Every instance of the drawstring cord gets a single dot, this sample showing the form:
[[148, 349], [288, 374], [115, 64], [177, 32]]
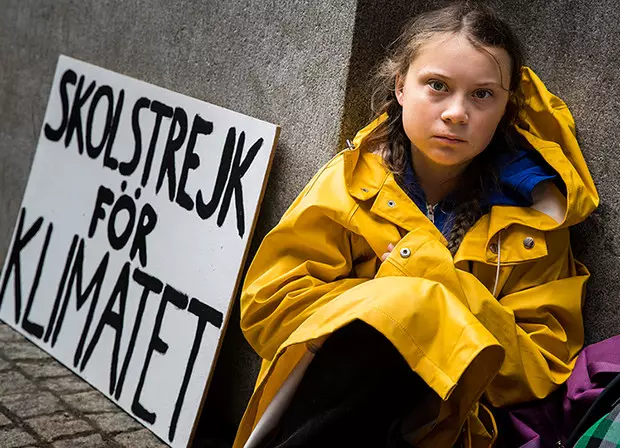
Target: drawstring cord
[[499, 255]]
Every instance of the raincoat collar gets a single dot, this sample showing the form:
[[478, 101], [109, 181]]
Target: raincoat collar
[[364, 173]]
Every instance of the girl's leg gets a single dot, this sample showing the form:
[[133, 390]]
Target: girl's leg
[[353, 393]]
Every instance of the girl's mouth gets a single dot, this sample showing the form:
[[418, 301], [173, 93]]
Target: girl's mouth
[[446, 139]]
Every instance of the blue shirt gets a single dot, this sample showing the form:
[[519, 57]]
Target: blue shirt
[[518, 175]]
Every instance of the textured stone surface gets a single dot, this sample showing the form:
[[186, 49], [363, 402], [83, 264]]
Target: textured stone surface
[[22, 351], [139, 439], [90, 402], [14, 383], [4, 420], [115, 422], [66, 385], [48, 410], [7, 334], [94, 441], [32, 404], [51, 427], [14, 438], [5, 365], [47, 370]]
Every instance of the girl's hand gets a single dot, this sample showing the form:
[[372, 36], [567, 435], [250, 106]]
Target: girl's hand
[[390, 248]]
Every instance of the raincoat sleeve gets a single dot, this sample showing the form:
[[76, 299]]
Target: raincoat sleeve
[[302, 264], [537, 318]]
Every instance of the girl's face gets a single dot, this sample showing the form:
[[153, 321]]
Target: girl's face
[[453, 97]]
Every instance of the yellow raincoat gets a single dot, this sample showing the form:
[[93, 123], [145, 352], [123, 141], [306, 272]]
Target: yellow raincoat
[[501, 318]]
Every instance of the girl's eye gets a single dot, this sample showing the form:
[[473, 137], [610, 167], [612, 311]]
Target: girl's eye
[[483, 94], [438, 86]]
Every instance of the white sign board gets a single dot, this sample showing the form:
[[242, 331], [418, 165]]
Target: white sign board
[[132, 236]]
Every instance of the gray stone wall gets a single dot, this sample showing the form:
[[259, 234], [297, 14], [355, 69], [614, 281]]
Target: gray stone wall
[[303, 65], [283, 62]]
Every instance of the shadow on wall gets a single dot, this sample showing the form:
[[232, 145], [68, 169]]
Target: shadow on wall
[[377, 25]]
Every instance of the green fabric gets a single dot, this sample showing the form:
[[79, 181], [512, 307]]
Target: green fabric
[[604, 434]]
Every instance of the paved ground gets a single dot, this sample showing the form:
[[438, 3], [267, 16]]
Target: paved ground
[[43, 404]]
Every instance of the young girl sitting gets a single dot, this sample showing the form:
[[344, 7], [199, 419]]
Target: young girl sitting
[[426, 272]]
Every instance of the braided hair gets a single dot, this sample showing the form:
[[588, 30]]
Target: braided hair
[[483, 28]]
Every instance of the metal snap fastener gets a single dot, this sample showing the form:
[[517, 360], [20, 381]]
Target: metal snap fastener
[[493, 248], [405, 252], [391, 203], [365, 190], [528, 242]]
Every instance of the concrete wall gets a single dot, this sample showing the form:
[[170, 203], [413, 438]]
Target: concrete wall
[[303, 65], [283, 62]]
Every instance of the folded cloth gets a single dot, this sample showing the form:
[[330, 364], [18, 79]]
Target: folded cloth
[[548, 423]]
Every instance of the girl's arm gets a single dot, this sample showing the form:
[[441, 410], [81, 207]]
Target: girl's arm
[[537, 318], [301, 265]]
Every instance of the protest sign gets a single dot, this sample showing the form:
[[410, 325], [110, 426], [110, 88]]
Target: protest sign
[[132, 236]]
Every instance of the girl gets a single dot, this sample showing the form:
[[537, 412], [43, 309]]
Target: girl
[[426, 271]]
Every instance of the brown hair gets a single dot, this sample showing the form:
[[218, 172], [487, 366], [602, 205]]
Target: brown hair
[[483, 28]]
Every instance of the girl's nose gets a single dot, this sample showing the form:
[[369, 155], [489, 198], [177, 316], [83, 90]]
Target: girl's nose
[[455, 112]]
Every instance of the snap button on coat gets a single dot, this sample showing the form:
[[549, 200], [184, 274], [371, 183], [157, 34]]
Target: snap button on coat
[[493, 248], [528, 242], [391, 203], [405, 252]]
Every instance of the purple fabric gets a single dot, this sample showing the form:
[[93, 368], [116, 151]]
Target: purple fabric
[[541, 424]]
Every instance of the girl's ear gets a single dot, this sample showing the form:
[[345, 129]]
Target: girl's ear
[[398, 88]]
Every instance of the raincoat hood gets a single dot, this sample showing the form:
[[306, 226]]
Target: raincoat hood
[[550, 128]]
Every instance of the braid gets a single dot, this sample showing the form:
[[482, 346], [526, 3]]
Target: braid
[[465, 216], [480, 178]]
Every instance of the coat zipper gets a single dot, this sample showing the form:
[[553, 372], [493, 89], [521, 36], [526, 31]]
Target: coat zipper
[[430, 212]]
